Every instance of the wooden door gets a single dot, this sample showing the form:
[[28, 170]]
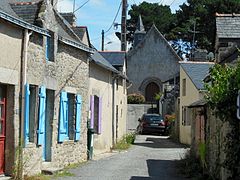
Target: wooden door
[[2, 133], [151, 90]]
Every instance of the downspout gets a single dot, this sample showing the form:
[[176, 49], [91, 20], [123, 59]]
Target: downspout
[[23, 80], [113, 108]]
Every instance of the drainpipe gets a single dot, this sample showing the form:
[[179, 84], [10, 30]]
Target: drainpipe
[[23, 80], [113, 109]]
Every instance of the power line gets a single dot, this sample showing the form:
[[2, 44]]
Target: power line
[[114, 18], [81, 6]]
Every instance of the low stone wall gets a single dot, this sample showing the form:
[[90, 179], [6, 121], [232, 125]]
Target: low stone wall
[[134, 112]]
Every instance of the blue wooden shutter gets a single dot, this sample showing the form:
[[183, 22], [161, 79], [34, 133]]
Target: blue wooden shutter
[[63, 119], [92, 111], [41, 115], [100, 116], [26, 114], [78, 117]]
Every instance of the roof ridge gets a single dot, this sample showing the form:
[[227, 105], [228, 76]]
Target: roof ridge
[[195, 62], [25, 3], [227, 15]]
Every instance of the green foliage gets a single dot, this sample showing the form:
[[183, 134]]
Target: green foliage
[[136, 99], [203, 13], [181, 25], [158, 96], [125, 142], [202, 154], [151, 13], [222, 92]]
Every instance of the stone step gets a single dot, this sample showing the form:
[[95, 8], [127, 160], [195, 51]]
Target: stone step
[[49, 168]]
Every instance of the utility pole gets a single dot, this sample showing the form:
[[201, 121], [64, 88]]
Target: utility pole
[[124, 26], [102, 40]]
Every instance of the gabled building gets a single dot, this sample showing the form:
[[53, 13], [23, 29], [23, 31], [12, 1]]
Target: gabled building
[[192, 75], [150, 62], [119, 114], [53, 84]]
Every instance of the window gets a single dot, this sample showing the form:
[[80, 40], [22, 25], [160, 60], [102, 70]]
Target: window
[[96, 114], [184, 87], [69, 117], [186, 121], [33, 112], [49, 48]]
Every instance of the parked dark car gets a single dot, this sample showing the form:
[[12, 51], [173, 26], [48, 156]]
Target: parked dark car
[[151, 123]]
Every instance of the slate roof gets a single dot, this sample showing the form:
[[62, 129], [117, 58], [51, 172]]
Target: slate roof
[[99, 60], [228, 25], [197, 71], [79, 31], [27, 11], [4, 6], [116, 58]]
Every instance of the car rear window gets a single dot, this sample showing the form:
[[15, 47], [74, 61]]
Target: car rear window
[[153, 118]]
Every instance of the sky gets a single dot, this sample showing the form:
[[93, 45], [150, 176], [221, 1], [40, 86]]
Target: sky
[[98, 15]]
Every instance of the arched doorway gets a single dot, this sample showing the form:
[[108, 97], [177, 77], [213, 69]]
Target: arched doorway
[[151, 90]]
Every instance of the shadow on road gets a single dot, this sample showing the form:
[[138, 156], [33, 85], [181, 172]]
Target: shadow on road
[[160, 142], [160, 170]]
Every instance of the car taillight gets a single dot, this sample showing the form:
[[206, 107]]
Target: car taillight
[[144, 124], [161, 124]]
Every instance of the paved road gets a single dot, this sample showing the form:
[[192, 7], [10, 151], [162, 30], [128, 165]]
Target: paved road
[[150, 158]]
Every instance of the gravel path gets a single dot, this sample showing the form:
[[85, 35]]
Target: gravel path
[[150, 158]]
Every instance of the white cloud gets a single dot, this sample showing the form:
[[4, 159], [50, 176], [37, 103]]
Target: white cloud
[[65, 6], [114, 45]]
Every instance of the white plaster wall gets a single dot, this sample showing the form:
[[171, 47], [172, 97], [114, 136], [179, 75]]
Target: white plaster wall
[[101, 85], [192, 95]]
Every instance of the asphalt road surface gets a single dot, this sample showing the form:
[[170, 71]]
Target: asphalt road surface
[[150, 158]]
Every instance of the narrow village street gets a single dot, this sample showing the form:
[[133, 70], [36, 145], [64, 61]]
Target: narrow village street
[[151, 157]]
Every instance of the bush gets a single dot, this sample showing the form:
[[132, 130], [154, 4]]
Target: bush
[[125, 142], [136, 99]]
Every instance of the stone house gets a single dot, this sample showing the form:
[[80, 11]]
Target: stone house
[[208, 129], [191, 90], [151, 62], [55, 82], [119, 113], [227, 37]]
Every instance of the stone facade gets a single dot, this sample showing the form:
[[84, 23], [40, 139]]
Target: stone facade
[[68, 72], [151, 62]]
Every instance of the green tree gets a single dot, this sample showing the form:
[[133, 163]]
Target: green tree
[[194, 13], [151, 13], [202, 14]]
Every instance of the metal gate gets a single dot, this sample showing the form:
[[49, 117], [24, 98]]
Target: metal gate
[[2, 133]]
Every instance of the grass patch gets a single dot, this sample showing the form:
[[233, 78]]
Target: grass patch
[[63, 173], [125, 142], [38, 177]]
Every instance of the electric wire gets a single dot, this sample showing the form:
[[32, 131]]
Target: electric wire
[[81, 6], [114, 18]]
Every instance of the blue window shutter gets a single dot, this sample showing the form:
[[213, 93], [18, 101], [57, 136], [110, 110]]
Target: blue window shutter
[[100, 116], [63, 118], [92, 111], [41, 115], [26, 114], [78, 117]]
